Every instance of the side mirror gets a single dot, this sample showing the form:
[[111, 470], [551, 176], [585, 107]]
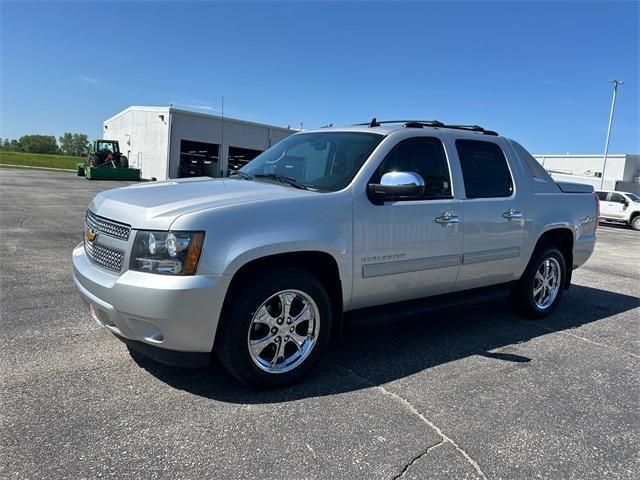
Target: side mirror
[[396, 184]]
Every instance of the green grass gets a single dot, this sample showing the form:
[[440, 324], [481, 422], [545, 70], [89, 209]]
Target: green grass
[[38, 160]]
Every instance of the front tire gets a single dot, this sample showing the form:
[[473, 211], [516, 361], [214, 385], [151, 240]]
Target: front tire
[[540, 288], [635, 223], [275, 325]]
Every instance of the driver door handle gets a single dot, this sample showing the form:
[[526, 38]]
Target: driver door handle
[[447, 218], [511, 213]]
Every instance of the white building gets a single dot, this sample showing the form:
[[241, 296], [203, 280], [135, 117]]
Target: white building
[[166, 142], [622, 171]]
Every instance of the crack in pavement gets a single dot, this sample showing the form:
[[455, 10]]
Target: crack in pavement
[[416, 458], [445, 438]]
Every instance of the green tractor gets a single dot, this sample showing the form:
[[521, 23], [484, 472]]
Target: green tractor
[[105, 162]]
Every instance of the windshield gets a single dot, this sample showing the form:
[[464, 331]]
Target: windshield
[[107, 146], [633, 197], [324, 161]]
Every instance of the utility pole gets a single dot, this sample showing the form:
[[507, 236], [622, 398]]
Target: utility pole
[[606, 145]]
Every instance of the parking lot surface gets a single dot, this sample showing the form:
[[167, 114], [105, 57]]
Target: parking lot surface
[[463, 393]]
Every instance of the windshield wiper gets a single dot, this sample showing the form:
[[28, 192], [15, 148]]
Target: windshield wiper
[[242, 174], [282, 179]]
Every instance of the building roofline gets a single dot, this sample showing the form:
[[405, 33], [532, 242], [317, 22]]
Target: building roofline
[[196, 114], [609, 155], [136, 107]]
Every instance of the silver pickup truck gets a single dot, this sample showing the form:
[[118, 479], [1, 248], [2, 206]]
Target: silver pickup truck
[[259, 268]]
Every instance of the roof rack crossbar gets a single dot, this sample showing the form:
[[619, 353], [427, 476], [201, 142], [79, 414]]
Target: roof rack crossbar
[[375, 123], [429, 123]]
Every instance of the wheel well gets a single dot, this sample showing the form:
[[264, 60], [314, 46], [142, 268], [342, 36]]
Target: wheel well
[[320, 264], [634, 215], [562, 239]]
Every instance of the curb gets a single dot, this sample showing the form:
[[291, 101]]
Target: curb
[[37, 168]]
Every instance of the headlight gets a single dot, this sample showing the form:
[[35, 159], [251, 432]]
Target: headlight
[[169, 253]]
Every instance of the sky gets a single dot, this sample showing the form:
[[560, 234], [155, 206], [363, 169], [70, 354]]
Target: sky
[[537, 72]]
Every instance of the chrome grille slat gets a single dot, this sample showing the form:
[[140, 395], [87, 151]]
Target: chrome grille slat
[[107, 257], [104, 226], [100, 254]]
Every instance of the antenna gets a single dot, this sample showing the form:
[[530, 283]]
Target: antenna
[[220, 153], [373, 123]]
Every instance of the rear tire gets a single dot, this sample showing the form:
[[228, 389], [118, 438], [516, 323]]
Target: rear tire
[[265, 338], [123, 161], [540, 288]]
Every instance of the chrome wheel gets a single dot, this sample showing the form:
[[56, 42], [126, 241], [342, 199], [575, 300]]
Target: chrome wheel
[[283, 331], [546, 283]]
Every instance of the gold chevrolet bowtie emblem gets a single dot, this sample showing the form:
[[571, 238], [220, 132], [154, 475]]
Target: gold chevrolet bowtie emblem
[[90, 234]]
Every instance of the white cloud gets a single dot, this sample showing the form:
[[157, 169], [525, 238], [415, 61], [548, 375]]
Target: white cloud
[[196, 106], [84, 78]]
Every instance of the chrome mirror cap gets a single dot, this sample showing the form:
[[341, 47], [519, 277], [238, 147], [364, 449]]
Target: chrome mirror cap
[[402, 179]]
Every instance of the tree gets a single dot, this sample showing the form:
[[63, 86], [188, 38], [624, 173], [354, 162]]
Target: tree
[[75, 144], [38, 144], [7, 145]]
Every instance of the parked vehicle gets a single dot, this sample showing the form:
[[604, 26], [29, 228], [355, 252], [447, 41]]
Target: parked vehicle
[[106, 151], [620, 207], [259, 268], [105, 162]]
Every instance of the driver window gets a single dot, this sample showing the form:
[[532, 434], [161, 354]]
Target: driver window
[[616, 197], [424, 156]]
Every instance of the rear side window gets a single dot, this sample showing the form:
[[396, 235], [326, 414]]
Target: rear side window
[[424, 156], [535, 169], [484, 169], [602, 195]]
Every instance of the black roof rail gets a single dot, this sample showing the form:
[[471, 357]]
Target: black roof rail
[[428, 123], [473, 128]]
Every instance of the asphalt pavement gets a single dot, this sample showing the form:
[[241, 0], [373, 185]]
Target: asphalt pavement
[[463, 393]]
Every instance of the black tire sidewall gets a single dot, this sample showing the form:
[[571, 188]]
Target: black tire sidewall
[[94, 160], [635, 223], [231, 344], [523, 293]]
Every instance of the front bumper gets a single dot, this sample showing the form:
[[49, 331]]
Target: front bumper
[[168, 357], [164, 314]]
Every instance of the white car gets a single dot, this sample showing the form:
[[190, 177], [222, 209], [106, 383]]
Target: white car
[[623, 207]]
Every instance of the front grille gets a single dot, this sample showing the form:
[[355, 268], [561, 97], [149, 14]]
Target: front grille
[[106, 257], [107, 227]]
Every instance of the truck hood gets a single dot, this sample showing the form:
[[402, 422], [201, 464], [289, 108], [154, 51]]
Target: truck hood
[[156, 205]]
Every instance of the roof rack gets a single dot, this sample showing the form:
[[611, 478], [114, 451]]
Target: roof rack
[[429, 123]]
